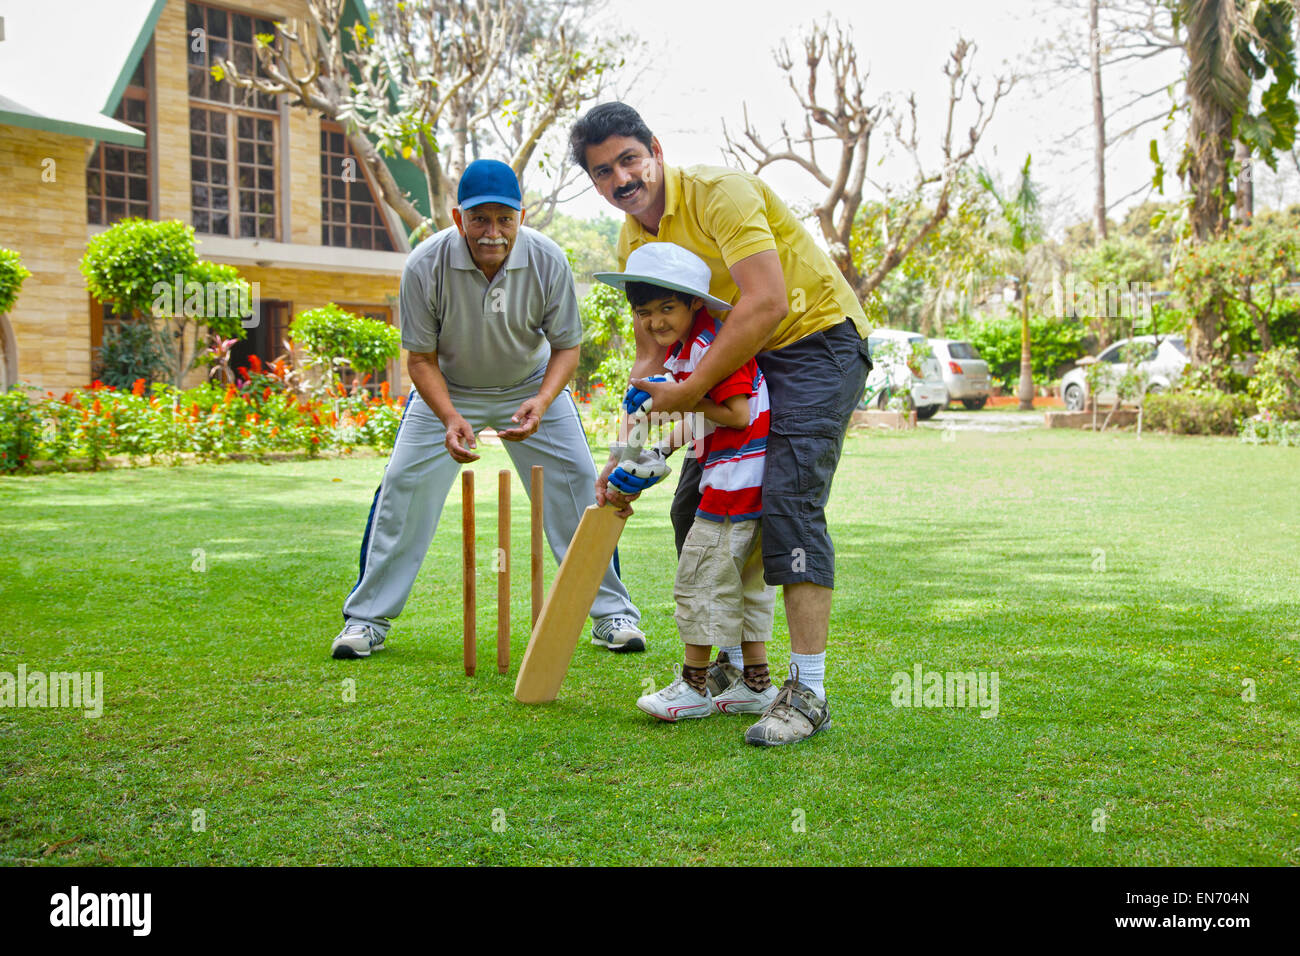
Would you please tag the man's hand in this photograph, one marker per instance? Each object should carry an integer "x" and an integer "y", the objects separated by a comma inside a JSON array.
[
  {"x": 460, "y": 439},
  {"x": 635, "y": 476},
  {"x": 667, "y": 397},
  {"x": 638, "y": 401},
  {"x": 607, "y": 495},
  {"x": 527, "y": 418}
]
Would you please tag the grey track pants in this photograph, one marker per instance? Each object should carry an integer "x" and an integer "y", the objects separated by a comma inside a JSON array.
[{"x": 420, "y": 473}]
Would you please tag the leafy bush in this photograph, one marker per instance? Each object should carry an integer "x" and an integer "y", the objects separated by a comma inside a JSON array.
[
  {"x": 1185, "y": 413},
  {"x": 133, "y": 350},
  {"x": 1276, "y": 384},
  {"x": 19, "y": 430},
  {"x": 1054, "y": 344},
  {"x": 12, "y": 276},
  {"x": 146, "y": 268},
  {"x": 330, "y": 334},
  {"x": 1262, "y": 429}
]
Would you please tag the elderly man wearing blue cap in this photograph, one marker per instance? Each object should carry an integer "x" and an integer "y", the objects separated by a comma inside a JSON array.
[{"x": 489, "y": 315}]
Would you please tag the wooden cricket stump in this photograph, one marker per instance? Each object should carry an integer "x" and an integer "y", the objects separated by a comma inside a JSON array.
[
  {"x": 535, "y": 498},
  {"x": 501, "y": 564},
  {"x": 467, "y": 578},
  {"x": 503, "y": 572}
]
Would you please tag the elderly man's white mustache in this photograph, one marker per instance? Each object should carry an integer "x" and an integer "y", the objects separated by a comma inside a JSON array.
[{"x": 499, "y": 241}]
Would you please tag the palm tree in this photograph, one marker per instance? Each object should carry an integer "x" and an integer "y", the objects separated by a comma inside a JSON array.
[{"x": 1021, "y": 232}]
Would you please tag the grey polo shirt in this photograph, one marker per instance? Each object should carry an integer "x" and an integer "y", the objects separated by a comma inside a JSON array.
[{"x": 488, "y": 334}]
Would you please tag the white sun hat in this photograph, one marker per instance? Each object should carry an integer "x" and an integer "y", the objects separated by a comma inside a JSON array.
[{"x": 668, "y": 265}]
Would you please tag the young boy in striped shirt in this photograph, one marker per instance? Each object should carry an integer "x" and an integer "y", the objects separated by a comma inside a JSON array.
[{"x": 722, "y": 600}]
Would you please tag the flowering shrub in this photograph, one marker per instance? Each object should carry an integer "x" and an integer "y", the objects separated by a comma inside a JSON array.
[{"x": 160, "y": 422}]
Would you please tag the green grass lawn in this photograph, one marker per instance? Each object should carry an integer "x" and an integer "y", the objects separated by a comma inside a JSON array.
[{"x": 1122, "y": 590}]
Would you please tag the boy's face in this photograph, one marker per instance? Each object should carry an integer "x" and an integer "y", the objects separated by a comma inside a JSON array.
[{"x": 668, "y": 319}]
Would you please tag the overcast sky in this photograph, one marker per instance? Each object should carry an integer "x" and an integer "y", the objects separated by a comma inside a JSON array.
[{"x": 706, "y": 58}]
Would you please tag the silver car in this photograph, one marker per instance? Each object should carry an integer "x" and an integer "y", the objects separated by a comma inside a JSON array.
[
  {"x": 965, "y": 374},
  {"x": 1162, "y": 366}
]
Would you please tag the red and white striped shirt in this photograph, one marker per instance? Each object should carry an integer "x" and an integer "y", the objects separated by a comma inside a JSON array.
[{"x": 732, "y": 484}]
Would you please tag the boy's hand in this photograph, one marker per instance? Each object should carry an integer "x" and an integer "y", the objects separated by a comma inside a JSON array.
[
  {"x": 637, "y": 400},
  {"x": 635, "y": 476}
]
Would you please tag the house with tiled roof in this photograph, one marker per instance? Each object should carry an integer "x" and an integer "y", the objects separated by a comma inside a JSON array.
[{"x": 110, "y": 110}]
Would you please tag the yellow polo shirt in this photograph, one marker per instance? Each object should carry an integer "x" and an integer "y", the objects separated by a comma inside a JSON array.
[{"x": 725, "y": 215}]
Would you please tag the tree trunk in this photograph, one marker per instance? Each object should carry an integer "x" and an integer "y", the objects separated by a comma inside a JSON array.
[
  {"x": 1245, "y": 184},
  {"x": 1098, "y": 120},
  {"x": 1026, "y": 390}
]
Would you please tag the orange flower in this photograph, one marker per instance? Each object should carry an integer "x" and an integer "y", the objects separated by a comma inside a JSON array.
[
  {"x": 194, "y": 410},
  {"x": 342, "y": 391},
  {"x": 315, "y": 419},
  {"x": 279, "y": 368},
  {"x": 315, "y": 439},
  {"x": 252, "y": 419},
  {"x": 244, "y": 432},
  {"x": 361, "y": 419},
  {"x": 275, "y": 430},
  {"x": 216, "y": 407},
  {"x": 383, "y": 390},
  {"x": 266, "y": 393},
  {"x": 231, "y": 391},
  {"x": 333, "y": 419},
  {"x": 97, "y": 408},
  {"x": 137, "y": 387}
]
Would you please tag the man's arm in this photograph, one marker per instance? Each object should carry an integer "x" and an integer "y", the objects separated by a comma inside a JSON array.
[
  {"x": 759, "y": 310},
  {"x": 559, "y": 370},
  {"x": 432, "y": 386}
]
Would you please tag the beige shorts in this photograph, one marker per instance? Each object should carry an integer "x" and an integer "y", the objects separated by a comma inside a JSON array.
[{"x": 721, "y": 596}]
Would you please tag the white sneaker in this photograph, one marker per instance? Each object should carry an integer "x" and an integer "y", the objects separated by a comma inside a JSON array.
[
  {"x": 740, "y": 699},
  {"x": 619, "y": 634},
  {"x": 678, "y": 701},
  {"x": 356, "y": 640}
]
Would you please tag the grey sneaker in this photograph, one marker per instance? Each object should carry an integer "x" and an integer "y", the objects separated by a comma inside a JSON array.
[
  {"x": 356, "y": 640},
  {"x": 619, "y": 634},
  {"x": 722, "y": 676},
  {"x": 796, "y": 714}
]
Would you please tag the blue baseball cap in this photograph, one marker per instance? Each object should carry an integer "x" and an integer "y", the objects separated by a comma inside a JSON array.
[{"x": 489, "y": 180}]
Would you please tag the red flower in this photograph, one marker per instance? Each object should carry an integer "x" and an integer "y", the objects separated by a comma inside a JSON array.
[
  {"x": 96, "y": 385},
  {"x": 315, "y": 419},
  {"x": 137, "y": 387},
  {"x": 266, "y": 393},
  {"x": 243, "y": 371},
  {"x": 315, "y": 439},
  {"x": 194, "y": 410},
  {"x": 255, "y": 363}
]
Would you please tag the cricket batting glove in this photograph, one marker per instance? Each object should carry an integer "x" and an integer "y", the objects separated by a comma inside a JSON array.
[
  {"x": 638, "y": 400},
  {"x": 635, "y": 476}
]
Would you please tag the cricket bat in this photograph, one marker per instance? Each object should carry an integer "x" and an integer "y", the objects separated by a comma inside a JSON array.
[{"x": 573, "y": 592}]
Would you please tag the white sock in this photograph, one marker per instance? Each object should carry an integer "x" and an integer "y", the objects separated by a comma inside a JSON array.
[
  {"x": 735, "y": 656},
  {"x": 812, "y": 671}
]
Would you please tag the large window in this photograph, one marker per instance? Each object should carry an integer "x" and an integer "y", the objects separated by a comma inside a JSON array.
[
  {"x": 117, "y": 177},
  {"x": 234, "y": 133},
  {"x": 350, "y": 216}
]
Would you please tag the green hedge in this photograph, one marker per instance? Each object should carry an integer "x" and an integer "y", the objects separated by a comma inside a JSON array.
[
  {"x": 1194, "y": 414},
  {"x": 12, "y": 275}
]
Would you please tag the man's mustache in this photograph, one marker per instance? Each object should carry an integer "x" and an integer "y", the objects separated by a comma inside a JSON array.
[
  {"x": 624, "y": 191},
  {"x": 499, "y": 241}
]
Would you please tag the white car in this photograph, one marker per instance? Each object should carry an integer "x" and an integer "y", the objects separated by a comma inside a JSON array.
[
  {"x": 1166, "y": 357},
  {"x": 904, "y": 364},
  {"x": 965, "y": 374}
]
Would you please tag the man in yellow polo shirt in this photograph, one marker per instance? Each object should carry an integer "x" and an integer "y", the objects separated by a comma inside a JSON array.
[{"x": 794, "y": 312}]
